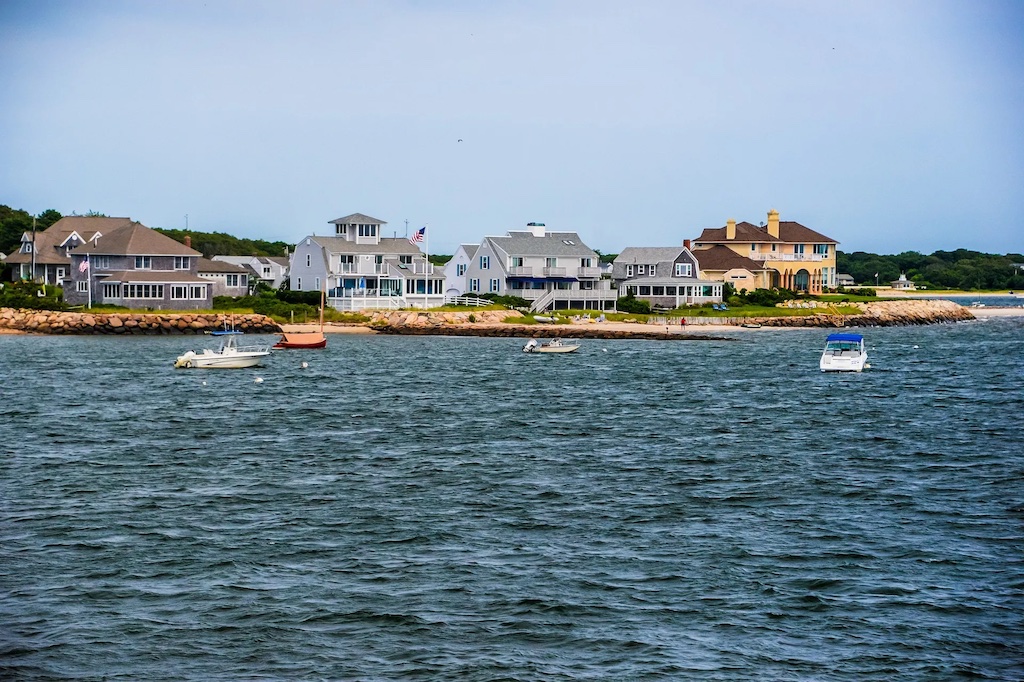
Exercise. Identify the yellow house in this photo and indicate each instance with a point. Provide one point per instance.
(796, 257)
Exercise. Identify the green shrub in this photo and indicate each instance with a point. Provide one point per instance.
(631, 304)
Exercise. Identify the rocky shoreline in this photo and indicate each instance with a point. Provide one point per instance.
(500, 323)
(55, 322)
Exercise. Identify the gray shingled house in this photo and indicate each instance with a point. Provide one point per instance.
(664, 276)
(49, 251)
(552, 270)
(137, 267)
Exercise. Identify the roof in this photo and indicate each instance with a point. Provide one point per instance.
(135, 239)
(649, 254)
(845, 337)
(356, 218)
(49, 242)
(551, 244)
(789, 232)
(159, 276)
(387, 245)
(723, 258)
(206, 265)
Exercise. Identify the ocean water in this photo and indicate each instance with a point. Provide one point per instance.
(415, 508)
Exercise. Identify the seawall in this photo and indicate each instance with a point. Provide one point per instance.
(53, 322)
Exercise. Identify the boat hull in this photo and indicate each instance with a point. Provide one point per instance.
(302, 340)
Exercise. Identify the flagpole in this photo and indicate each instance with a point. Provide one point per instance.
(88, 279)
(426, 271)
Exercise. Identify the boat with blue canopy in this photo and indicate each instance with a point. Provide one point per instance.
(844, 352)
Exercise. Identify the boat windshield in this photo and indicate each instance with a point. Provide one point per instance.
(836, 347)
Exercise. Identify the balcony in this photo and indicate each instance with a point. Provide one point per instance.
(553, 272)
(789, 256)
(361, 269)
(521, 271)
(589, 272)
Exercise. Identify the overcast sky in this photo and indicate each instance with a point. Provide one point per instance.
(888, 126)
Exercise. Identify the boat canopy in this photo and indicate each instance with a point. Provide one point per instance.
(856, 338)
(226, 332)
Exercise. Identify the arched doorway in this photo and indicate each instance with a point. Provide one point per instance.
(801, 280)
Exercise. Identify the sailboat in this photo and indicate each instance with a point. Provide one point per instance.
(305, 339)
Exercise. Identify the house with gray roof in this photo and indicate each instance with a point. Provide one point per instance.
(725, 265)
(45, 255)
(360, 269)
(552, 270)
(664, 276)
(455, 283)
(270, 270)
(228, 279)
(137, 267)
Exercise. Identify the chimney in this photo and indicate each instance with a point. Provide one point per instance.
(773, 223)
(730, 229)
(536, 229)
(686, 244)
(188, 240)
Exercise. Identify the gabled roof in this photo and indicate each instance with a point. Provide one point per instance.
(790, 232)
(723, 258)
(649, 254)
(135, 239)
(551, 244)
(356, 218)
(51, 243)
(387, 245)
(469, 250)
(158, 276)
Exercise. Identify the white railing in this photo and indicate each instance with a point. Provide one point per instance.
(589, 272)
(543, 302)
(467, 300)
(554, 272)
(359, 269)
(521, 271)
(789, 256)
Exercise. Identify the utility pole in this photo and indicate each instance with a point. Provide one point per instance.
(33, 248)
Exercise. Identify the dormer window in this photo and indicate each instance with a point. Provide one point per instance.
(568, 242)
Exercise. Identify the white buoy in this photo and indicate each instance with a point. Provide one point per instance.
(258, 380)
(604, 350)
(304, 364)
(204, 383)
(917, 347)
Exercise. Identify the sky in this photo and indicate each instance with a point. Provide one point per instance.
(888, 125)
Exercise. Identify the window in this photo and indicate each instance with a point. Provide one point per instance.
(111, 291)
(197, 292)
(493, 285)
(143, 263)
(230, 280)
(309, 260)
(551, 262)
(367, 230)
(26, 247)
(298, 284)
(82, 286)
(317, 282)
(658, 291)
(670, 291)
(641, 270)
(181, 262)
(99, 262)
(645, 290)
(266, 273)
(460, 269)
(407, 260)
(654, 270)
(516, 261)
(474, 285)
(629, 271)
(773, 247)
(753, 248)
(179, 292)
(798, 248)
(585, 262)
(485, 262)
(143, 290)
(821, 249)
(684, 270)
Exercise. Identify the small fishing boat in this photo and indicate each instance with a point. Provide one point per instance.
(552, 346)
(843, 353)
(305, 339)
(229, 355)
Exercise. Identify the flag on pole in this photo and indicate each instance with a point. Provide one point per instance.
(418, 236)
(84, 265)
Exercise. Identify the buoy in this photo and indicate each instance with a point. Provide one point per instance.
(917, 346)
(204, 383)
(604, 350)
(304, 364)
(258, 380)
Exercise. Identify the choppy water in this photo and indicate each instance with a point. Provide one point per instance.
(451, 508)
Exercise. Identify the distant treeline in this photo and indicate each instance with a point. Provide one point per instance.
(960, 269)
(212, 244)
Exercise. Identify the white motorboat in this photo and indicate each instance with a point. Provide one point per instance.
(552, 346)
(228, 356)
(844, 353)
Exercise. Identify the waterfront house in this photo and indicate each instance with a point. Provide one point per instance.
(360, 269)
(903, 284)
(551, 270)
(455, 283)
(228, 279)
(269, 270)
(797, 257)
(45, 255)
(844, 280)
(664, 276)
(725, 265)
(137, 267)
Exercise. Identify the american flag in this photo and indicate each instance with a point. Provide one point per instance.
(84, 265)
(418, 236)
